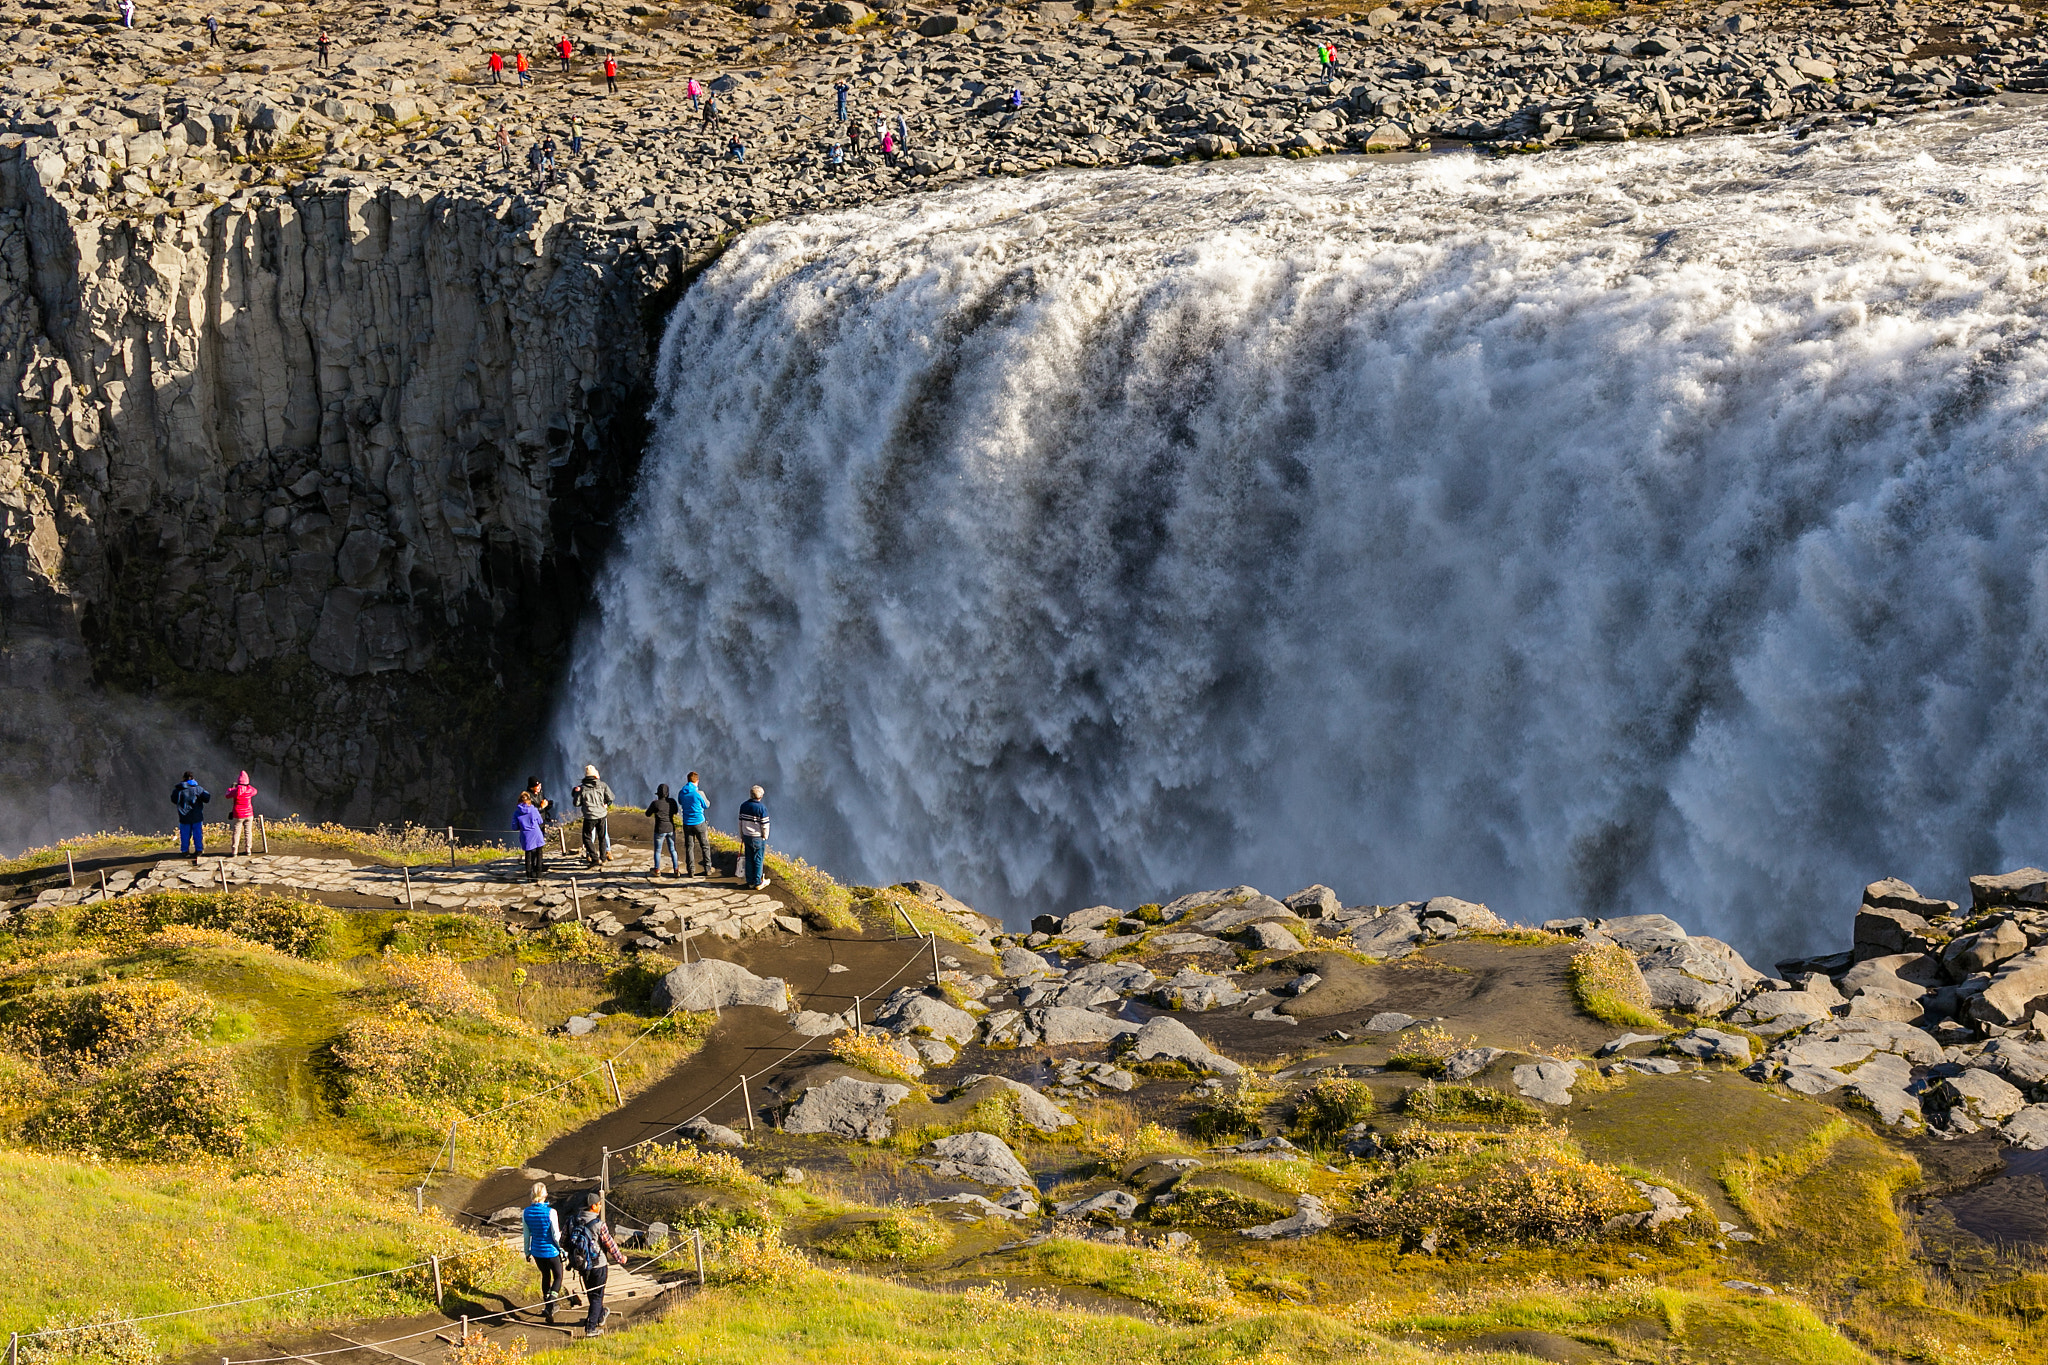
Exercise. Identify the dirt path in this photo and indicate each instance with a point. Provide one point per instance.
(747, 1040)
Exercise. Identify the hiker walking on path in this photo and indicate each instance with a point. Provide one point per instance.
(695, 806)
(190, 798)
(853, 141)
(711, 112)
(212, 31)
(544, 1245)
(532, 836)
(127, 13)
(519, 66)
(593, 1252)
(497, 67)
(321, 44)
(611, 74)
(693, 94)
(664, 808)
(594, 801)
(754, 841)
(505, 146)
(242, 830)
(902, 131)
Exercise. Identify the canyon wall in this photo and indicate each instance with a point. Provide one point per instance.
(318, 476)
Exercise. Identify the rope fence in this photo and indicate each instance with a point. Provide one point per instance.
(739, 1087)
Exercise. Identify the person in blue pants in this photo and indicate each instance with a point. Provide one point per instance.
(190, 798)
(754, 841)
(840, 90)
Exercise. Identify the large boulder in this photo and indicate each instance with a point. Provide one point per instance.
(983, 1158)
(1711, 1045)
(847, 1107)
(1997, 942)
(1314, 902)
(1309, 1217)
(1171, 1039)
(1253, 909)
(2017, 992)
(1980, 1094)
(1447, 916)
(1098, 983)
(1893, 894)
(1548, 1082)
(1394, 933)
(1033, 1107)
(1059, 1027)
(1021, 964)
(1670, 990)
(1882, 931)
(711, 984)
(1196, 992)
(1643, 933)
(2027, 886)
(912, 1011)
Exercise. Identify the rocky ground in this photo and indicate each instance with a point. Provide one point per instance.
(156, 120)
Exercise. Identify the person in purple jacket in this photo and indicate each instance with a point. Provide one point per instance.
(532, 838)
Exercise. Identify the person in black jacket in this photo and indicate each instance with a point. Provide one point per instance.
(664, 809)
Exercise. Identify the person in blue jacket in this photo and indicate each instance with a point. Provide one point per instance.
(695, 806)
(754, 840)
(544, 1245)
(532, 838)
(190, 798)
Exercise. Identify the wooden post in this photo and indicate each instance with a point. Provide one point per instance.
(263, 828)
(408, 886)
(70, 868)
(935, 957)
(465, 1329)
(451, 848)
(697, 1247)
(907, 922)
(438, 1295)
(14, 1348)
(104, 893)
(604, 1174)
(223, 875)
(856, 1017)
(562, 838)
(451, 1147)
(747, 1098)
(612, 1074)
(576, 899)
(419, 1199)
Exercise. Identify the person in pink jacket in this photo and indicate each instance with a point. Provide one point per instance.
(242, 816)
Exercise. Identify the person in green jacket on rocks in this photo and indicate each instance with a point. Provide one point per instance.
(594, 802)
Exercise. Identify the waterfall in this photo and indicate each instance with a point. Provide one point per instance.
(1650, 527)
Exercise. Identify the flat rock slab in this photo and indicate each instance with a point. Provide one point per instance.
(1547, 1082)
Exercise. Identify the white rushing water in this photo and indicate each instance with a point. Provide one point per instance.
(1651, 527)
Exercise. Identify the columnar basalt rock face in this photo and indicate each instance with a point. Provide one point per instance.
(330, 462)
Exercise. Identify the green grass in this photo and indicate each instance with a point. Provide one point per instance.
(1607, 984)
(810, 1318)
(203, 1232)
(1472, 1103)
(886, 908)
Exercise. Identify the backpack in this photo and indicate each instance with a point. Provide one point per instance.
(584, 1251)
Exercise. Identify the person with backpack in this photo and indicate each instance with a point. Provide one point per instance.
(696, 805)
(754, 841)
(190, 798)
(664, 808)
(242, 822)
(593, 1252)
(594, 802)
(532, 838)
(544, 1245)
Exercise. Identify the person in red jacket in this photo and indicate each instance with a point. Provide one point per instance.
(611, 73)
(497, 67)
(242, 815)
(519, 65)
(566, 48)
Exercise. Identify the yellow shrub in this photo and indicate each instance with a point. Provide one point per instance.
(85, 1029)
(436, 986)
(1607, 984)
(874, 1054)
(747, 1256)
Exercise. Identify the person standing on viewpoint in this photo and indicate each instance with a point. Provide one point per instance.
(611, 74)
(190, 798)
(695, 806)
(242, 815)
(754, 841)
(544, 1245)
(594, 802)
(532, 838)
(322, 43)
(664, 809)
(497, 67)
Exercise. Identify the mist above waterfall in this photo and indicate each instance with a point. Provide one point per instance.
(1653, 527)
